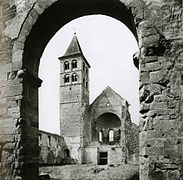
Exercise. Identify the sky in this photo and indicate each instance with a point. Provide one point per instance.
(108, 45)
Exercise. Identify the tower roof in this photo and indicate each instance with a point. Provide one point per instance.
(74, 47)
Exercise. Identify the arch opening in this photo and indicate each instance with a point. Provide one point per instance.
(108, 129)
(42, 31)
(102, 48)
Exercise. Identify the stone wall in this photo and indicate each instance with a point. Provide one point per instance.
(160, 34)
(53, 150)
(110, 111)
(90, 155)
(133, 143)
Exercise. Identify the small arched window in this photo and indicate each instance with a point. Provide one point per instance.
(100, 136)
(83, 66)
(66, 78)
(49, 141)
(86, 84)
(86, 71)
(66, 65)
(40, 139)
(66, 153)
(74, 77)
(111, 136)
(118, 135)
(74, 64)
(84, 81)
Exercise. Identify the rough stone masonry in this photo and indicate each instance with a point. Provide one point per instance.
(25, 29)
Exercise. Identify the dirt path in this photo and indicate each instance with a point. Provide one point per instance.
(91, 172)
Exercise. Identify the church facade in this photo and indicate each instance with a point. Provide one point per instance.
(97, 133)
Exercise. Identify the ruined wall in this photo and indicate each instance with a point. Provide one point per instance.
(110, 111)
(161, 70)
(90, 155)
(133, 143)
(52, 150)
(159, 29)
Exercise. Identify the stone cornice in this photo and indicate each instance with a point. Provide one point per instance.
(32, 79)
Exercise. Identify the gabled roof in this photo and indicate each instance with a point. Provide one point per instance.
(74, 47)
(109, 96)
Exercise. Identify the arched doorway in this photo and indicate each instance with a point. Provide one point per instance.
(50, 21)
(109, 46)
(42, 31)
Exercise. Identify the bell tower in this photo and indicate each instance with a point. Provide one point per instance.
(74, 97)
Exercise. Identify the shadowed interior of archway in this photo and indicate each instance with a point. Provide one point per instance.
(61, 13)
(108, 120)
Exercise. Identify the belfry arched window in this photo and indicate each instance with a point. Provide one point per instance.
(86, 71)
(111, 136)
(74, 77)
(66, 65)
(100, 136)
(66, 153)
(86, 84)
(49, 141)
(74, 64)
(83, 66)
(66, 78)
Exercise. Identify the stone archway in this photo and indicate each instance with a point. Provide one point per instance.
(27, 26)
(106, 122)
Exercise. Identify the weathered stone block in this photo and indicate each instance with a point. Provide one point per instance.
(15, 90)
(144, 77)
(17, 55)
(143, 135)
(150, 40)
(161, 98)
(5, 68)
(156, 77)
(151, 113)
(164, 113)
(159, 142)
(156, 175)
(174, 175)
(3, 111)
(153, 66)
(172, 154)
(17, 65)
(8, 129)
(144, 93)
(158, 105)
(155, 89)
(38, 9)
(144, 108)
(9, 147)
(7, 138)
(3, 77)
(164, 124)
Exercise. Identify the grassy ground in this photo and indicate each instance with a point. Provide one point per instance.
(91, 172)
